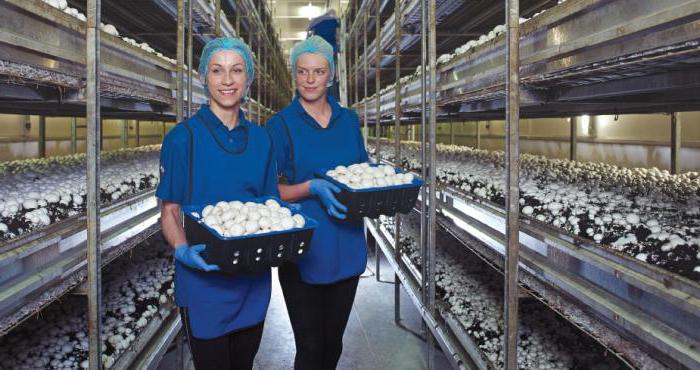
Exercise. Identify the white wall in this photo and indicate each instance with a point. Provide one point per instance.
(629, 140)
(17, 141)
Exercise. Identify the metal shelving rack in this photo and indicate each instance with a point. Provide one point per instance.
(578, 57)
(50, 65)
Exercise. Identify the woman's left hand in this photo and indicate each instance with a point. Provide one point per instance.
(325, 191)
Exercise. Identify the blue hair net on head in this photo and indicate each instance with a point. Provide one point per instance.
(227, 43)
(316, 45)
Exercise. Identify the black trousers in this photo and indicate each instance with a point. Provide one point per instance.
(233, 351)
(319, 315)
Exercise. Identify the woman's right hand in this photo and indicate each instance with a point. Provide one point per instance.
(190, 257)
(325, 191)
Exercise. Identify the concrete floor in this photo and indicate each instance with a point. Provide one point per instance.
(371, 341)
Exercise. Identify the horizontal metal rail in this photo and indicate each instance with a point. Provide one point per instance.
(450, 347)
(658, 308)
(152, 343)
(39, 268)
(578, 51)
(42, 62)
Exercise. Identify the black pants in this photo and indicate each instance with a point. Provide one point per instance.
(233, 351)
(319, 314)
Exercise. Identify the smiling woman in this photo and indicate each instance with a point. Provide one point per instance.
(217, 155)
(313, 133)
(226, 84)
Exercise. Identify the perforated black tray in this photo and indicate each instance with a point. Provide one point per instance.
(248, 254)
(374, 202)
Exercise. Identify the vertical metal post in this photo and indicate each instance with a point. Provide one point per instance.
(478, 135)
(342, 65)
(250, 42)
(424, 164)
(93, 116)
(675, 143)
(512, 181)
(260, 77)
(397, 155)
(180, 351)
(432, 189)
(42, 136)
(378, 84)
(73, 135)
(179, 83)
(265, 88)
(573, 136)
(125, 133)
(238, 20)
(452, 133)
(162, 130)
(138, 133)
(217, 18)
(355, 68)
(377, 104)
(364, 65)
(190, 60)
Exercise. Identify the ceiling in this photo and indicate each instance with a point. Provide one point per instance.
(291, 17)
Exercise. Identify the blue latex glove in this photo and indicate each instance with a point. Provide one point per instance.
(189, 256)
(325, 191)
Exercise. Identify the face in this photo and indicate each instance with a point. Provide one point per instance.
(226, 79)
(312, 76)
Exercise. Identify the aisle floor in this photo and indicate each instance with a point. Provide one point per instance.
(371, 341)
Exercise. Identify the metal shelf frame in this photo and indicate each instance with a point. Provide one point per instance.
(578, 57)
(54, 64)
(582, 56)
(410, 278)
(38, 268)
(152, 343)
(43, 65)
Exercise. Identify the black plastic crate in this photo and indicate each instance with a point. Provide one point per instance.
(248, 254)
(374, 202)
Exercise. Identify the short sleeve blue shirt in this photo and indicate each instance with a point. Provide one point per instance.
(303, 147)
(203, 162)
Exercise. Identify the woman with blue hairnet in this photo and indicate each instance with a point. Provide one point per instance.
(313, 133)
(217, 155)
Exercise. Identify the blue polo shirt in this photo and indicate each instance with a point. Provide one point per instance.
(302, 147)
(203, 162)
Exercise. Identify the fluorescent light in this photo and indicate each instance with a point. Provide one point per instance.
(585, 124)
(310, 11)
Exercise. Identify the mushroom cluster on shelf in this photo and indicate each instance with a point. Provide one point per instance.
(471, 45)
(648, 214)
(107, 28)
(235, 218)
(35, 193)
(366, 176)
(471, 293)
(137, 290)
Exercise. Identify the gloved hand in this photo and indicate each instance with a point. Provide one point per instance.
(189, 256)
(325, 191)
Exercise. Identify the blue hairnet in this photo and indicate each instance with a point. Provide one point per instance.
(227, 43)
(317, 45)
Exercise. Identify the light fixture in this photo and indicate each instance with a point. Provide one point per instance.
(585, 124)
(309, 11)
